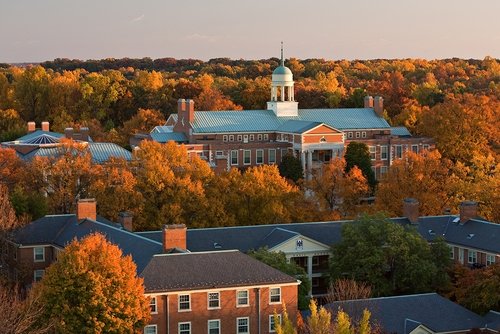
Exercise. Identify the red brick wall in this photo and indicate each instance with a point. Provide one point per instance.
(227, 313)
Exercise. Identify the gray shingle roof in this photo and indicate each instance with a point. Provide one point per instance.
(180, 272)
(402, 314)
(59, 230)
(493, 320)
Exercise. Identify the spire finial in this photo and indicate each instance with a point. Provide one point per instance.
(282, 60)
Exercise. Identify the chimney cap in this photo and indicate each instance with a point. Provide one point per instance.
(124, 214)
(174, 226)
(410, 200)
(181, 100)
(468, 203)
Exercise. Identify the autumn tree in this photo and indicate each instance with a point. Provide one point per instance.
(357, 154)
(426, 177)
(319, 322)
(8, 222)
(278, 261)
(32, 92)
(337, 191)
(348, 289)
(142, 122)
(11, 125)
(93, 288)
(389, 257)
(12, 167)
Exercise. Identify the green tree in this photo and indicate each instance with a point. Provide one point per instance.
(93, 288)
(389, 257)
(358, 154)
(290, 167)
(278, 261)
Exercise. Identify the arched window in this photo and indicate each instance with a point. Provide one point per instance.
(322, 140)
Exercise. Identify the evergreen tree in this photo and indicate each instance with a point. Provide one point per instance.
(358, 154)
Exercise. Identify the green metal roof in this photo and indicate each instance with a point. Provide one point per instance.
(100, 152)
(39, 133)
(266, 121)
(282, 70)
(400, 131)
(164, 137)
(295, 126)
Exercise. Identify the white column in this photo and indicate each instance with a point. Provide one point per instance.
(310, 271)
(282, 93)
(293, 93)
(303, 162)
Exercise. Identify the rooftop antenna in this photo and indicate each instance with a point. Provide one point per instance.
(282, 61)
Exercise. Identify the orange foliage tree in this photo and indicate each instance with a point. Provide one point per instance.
(93, 288)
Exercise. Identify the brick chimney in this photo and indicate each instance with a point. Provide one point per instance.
(368, 101)
(68, 133)
(190, 110)
(410, 210)
(468, 210)
(378, 106)
(86, 208)
(31, 126)
(45, 126)
(174, 236)
(125, 219)
(84, 133)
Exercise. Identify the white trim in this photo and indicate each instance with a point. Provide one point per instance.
(218, 300)
(249, 157)
(151, 326)
(270, 295)
(213, 320)
(248, 325)
(272, 317)
(42, 271)
(155, 304)
(35, 254)
(232, 288)
(184, 323)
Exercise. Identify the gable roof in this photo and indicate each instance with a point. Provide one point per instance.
(181, 272)
(163, 137)
(297, 126)
(400, 131)
(402, 314)
(60, 230)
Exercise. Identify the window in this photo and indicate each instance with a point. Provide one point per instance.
(452, 253)
(322, 140)
(373, 152)
(234, 157)
(349, 135)
(414, 148)
(251, 137)
(184, 303)
(214, 326)
(272, 156)
(150, 329)
(357, 134)
(272, 327)
(240, 137)
(259, 159)
(383, 152)
(219, 154)
(398, 151)
(461, 255)
(224, 138)
(266, 136)
(213, 300)
(472, 256)
(242, 298)
(38, 274)
(231, 137)
(246, 157)
(259, 137)
(39, 254)
(426, 147)
(274, 295)
(184, 328)
(242, 326)
(383, 170)
(490, 259)
(363, 134)
(152, 305)
(245, 138)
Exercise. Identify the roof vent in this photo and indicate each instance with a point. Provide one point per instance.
(432, 232)
(217, 245)
(456, 220)
(470, 235)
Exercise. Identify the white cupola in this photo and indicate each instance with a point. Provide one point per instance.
(282, 93)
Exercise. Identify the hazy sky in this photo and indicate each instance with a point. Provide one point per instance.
(38, 30)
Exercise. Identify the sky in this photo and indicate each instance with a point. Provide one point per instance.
(39, 30)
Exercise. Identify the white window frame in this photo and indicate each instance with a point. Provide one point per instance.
(452, 252)
(358, 135)
(266, 136)
(209, 299)
(245, 138)
(396, 155)
(269, 160)
(38, 274)
(272, 325)
(153, 305)
(35, 254)
(382, 149)
(245, 152)
(257, 160)
(224, 138)
(383, 170)
(237, 158)
(414, 148)
(373, 150)
(363, 134)
(349, 135)
(214, 321)
(251, 137)
(247, 319)
(238, 298)
(471, 256)
(231, 137)
(179, 302)
(259, 137)
(184, 330)
(273, 295)
(461, 255)
(426, 147)
(490, 259)
(219, 154)
(153, 327)
(240, 138)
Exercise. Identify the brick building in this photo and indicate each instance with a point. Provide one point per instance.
(235, 138)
